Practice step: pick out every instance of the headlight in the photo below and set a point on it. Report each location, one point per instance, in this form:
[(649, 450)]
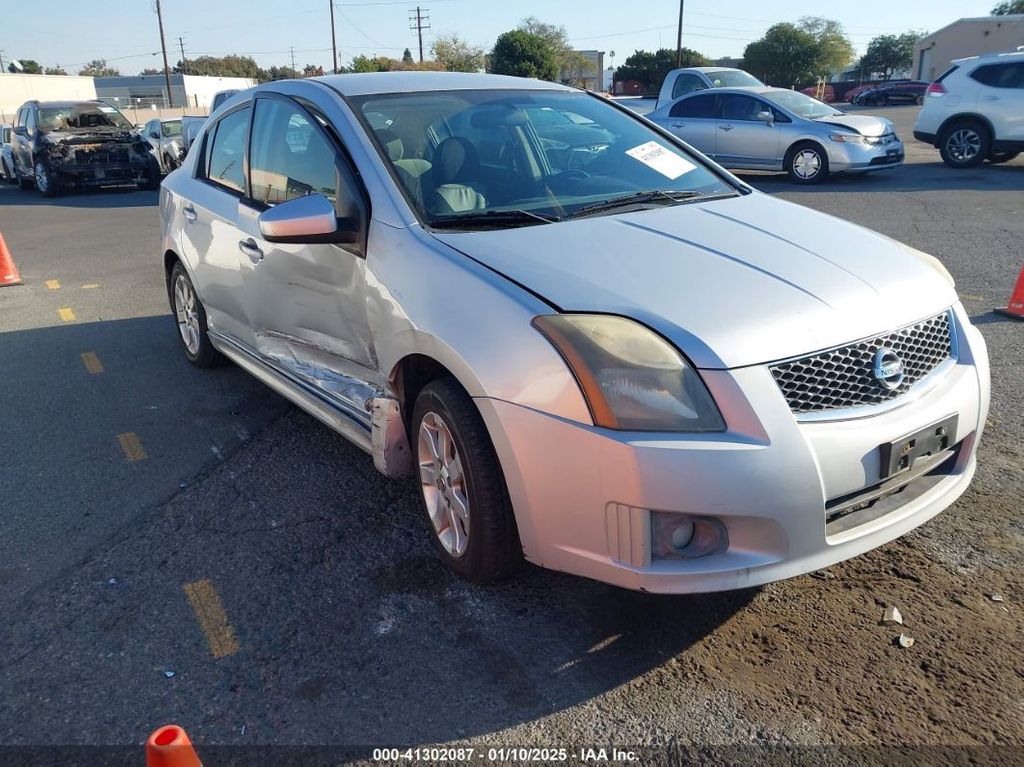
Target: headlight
[(632, 379), (853, 138)]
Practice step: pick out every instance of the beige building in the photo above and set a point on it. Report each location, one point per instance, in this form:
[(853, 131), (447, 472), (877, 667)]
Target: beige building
[(966, 37)]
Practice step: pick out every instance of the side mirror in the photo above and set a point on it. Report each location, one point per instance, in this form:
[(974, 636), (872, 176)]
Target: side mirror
[(307, 220), (766, 117), (20, 130)]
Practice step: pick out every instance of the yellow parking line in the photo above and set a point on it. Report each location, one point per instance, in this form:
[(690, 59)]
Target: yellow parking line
[(92, 363), (53, 284), (209, 610), (66, 314), (131, 447), (90, 285)]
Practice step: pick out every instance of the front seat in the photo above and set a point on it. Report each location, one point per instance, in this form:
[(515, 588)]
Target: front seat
[(395, 147), (456, 168)]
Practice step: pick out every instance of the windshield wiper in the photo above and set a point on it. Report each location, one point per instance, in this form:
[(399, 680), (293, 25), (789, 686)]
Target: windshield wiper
[(663, 196), (492, 218)]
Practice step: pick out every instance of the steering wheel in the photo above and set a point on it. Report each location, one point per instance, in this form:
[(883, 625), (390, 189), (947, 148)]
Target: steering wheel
[(573, 174)]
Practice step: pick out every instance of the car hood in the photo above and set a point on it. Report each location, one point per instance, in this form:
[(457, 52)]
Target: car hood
[(733, 282), (866, 125), (90, 137)]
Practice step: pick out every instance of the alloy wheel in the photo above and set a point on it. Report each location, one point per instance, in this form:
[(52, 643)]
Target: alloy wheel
[(187, 313), (963, 144), (42, 178), (444, 484)]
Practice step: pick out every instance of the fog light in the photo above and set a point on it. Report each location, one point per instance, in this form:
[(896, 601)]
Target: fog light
[(681, 536)]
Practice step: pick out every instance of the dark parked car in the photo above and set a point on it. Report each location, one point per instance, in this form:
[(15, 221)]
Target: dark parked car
[(907, 91), (61, 144)]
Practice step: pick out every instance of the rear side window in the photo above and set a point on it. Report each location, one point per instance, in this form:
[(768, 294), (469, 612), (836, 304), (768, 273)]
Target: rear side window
[(947, 73), (687, 84), (227, 152), (695, 106), (1000, 75), (290, 155)]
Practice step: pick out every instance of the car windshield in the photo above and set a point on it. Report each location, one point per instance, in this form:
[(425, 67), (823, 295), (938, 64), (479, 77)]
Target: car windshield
[(517, 157), (802, 105), (733, 79), (81, 117), (172, 128)]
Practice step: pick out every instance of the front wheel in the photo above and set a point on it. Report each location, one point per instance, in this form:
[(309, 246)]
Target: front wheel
[(807, 163), (190, 316), (963, 144), (462, 485), (46, 180)]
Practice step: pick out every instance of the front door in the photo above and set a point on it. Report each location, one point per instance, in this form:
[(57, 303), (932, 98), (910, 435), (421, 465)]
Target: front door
[(741, 140), (306, 303), (693, 120)]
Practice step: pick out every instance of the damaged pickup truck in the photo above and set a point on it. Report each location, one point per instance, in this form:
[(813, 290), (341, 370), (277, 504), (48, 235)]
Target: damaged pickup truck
[(64, 144)]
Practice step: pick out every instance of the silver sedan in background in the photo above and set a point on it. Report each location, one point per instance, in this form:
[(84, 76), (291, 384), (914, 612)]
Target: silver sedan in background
[(775, 129)]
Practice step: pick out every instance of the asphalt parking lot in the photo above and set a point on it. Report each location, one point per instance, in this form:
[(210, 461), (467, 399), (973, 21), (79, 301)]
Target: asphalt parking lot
[(179, 545)]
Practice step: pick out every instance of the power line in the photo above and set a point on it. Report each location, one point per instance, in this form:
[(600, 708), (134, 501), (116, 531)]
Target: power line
[(419, 22)]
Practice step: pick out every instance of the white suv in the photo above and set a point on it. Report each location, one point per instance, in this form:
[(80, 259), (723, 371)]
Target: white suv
[(975, 110)]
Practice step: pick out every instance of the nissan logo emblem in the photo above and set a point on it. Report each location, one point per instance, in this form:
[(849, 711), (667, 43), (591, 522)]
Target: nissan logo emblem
[(889, 370)]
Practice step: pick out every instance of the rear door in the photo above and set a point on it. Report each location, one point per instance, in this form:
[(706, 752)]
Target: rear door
[(1001, 98), (306, 303), (211, 225), (693, 119), (741, 140)]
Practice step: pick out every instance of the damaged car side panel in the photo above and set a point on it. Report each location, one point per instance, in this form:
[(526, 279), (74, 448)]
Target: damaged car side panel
[(59, 145)]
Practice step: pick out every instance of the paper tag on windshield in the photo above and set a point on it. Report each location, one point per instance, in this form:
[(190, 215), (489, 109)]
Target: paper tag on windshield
[(107, 110), (666, 162)]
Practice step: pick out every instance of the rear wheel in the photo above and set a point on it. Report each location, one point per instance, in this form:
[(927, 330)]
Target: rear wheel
[(462, 485), (807, 163), (190, 316), (999, 157), (170, 163), (964, 144)]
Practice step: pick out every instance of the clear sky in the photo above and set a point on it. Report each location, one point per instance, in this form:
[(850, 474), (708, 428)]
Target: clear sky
[(71, 32)]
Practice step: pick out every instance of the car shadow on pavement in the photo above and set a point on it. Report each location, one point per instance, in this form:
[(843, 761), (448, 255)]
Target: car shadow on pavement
[(914, 177), (115, 197)]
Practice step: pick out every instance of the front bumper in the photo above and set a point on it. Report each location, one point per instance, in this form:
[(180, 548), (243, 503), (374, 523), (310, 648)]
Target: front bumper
[(928, 138), (584, 496), (108, 174), (858, 158)]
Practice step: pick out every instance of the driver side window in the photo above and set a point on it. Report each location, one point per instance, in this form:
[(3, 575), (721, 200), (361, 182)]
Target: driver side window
[(686, 84)]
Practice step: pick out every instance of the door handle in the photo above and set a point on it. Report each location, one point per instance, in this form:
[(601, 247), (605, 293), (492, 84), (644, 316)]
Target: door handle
[(678, 125), (251, 249), (190, 213), (991, 98), (725, 127)]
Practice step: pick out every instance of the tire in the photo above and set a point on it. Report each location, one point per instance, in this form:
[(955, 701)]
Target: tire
[(1000, 157), (152, 182), (919, 100), (10, 175), (882, 101), (798, 163), (195, 338), (964, 144), (490, 540), (23, 183), (170, 163), (47, 182)]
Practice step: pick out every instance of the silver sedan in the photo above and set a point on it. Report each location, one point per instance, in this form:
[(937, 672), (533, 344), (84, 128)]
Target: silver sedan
[(776, 129), (593, 348)]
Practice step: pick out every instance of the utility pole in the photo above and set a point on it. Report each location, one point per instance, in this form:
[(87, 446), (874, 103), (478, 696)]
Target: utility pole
[(184, 61), (334, 43), (420, 20), (292, 47), (679, 36), (2, 61), (163, 47)]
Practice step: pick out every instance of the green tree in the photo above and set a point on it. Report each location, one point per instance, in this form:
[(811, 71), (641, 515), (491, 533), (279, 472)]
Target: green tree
[(151, 71), (407, 57), (785, 56), (524, 54), (312, 70), (28, 67), (98, 68), (222, 66), (835, 51), (371, 64), (456, 55), (54, 71), (572, 65), (650, 69), (1008, 7), (887, 54)]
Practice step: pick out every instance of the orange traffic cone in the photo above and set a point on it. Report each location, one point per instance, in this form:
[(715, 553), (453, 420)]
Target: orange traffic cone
[(169, 746), (1016, 306), (8, 271)]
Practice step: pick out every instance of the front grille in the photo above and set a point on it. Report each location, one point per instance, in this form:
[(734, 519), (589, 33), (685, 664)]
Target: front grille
[(844, 377)]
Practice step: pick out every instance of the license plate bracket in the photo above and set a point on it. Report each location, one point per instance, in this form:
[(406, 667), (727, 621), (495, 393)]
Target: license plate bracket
[(899, 455)]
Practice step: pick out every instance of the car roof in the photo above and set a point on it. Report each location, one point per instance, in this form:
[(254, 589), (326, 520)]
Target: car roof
[(989, 57), (757, 89), (706, 70), (369, 83), (63, 104)]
